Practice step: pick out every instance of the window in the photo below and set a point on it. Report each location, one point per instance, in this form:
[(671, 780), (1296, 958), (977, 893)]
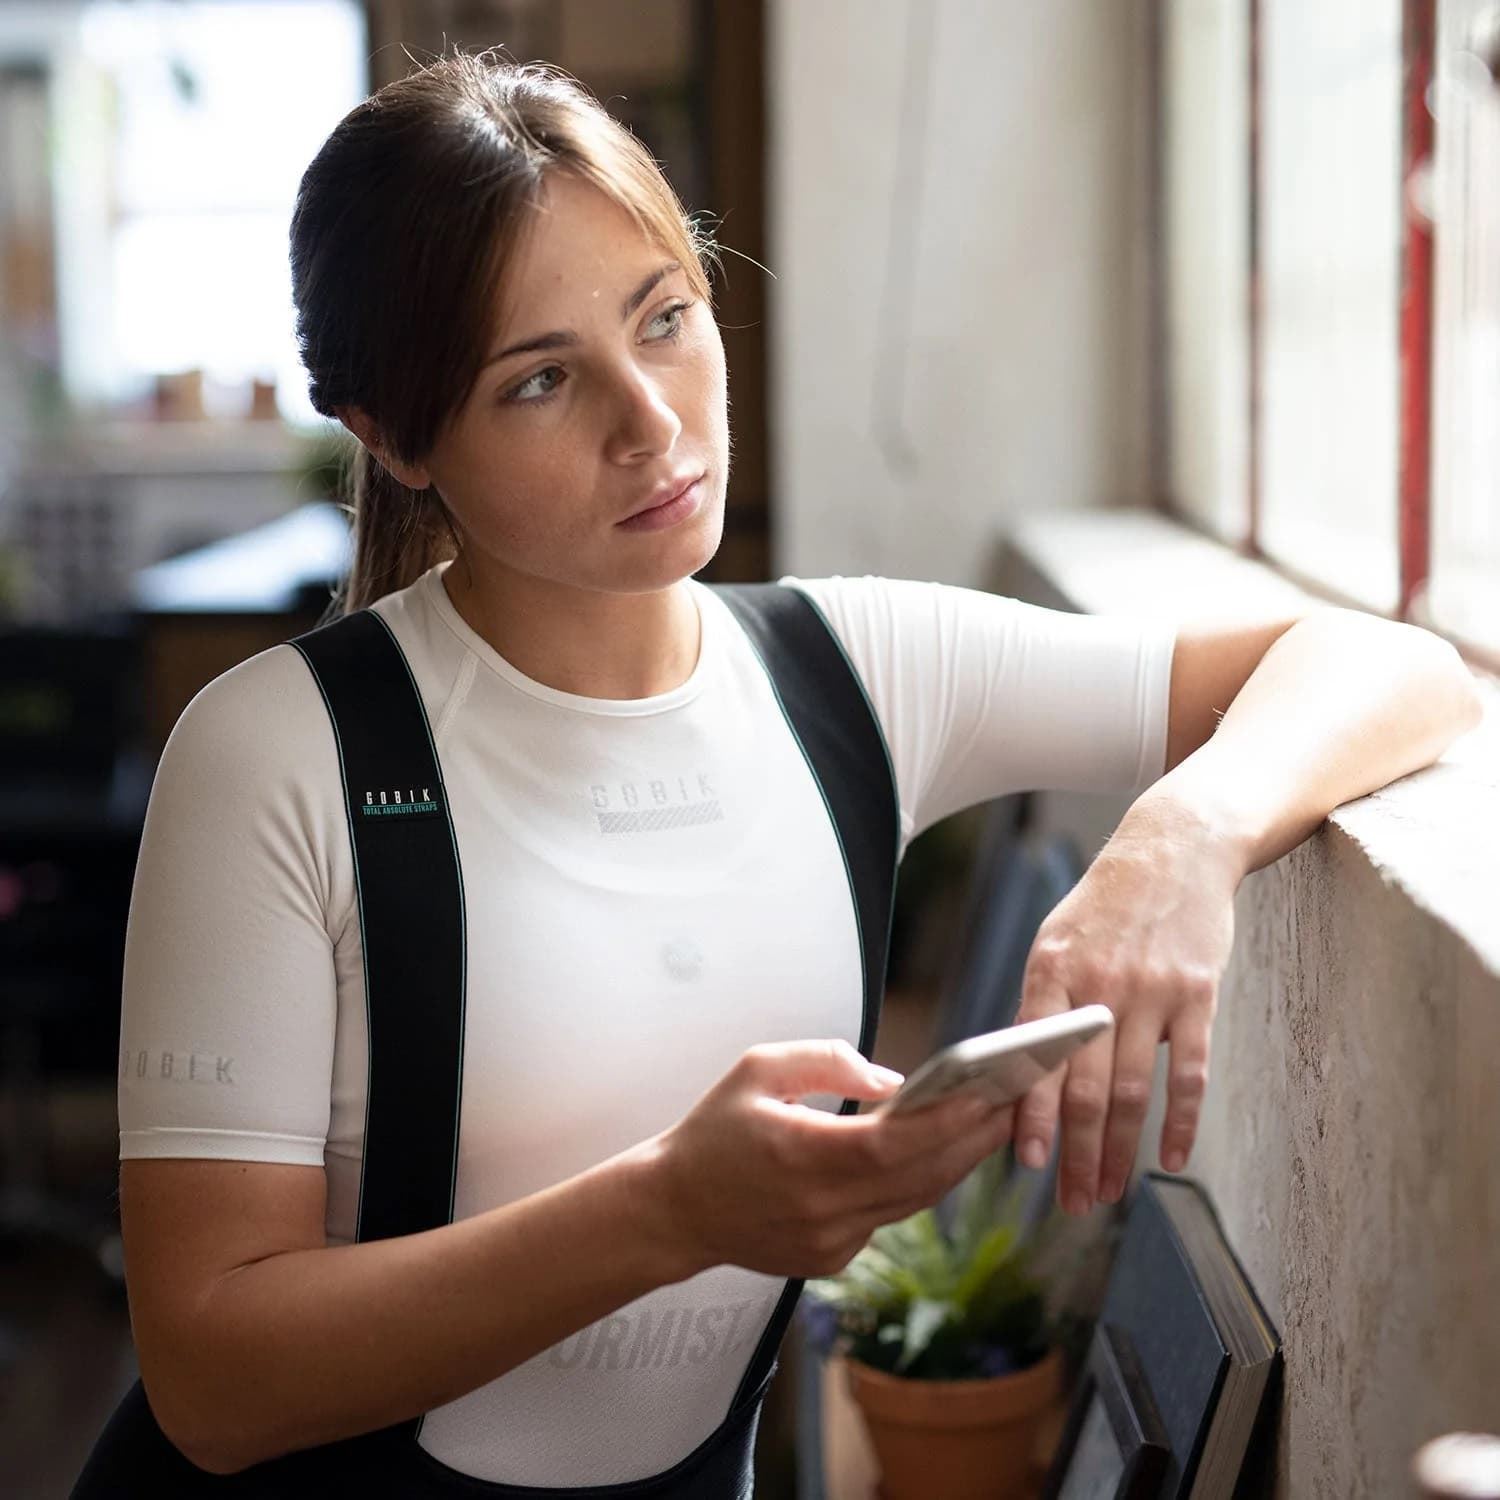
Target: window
[(1464, 588), (205, 116), (1331, 239), (1330, 266), (1206, 169)]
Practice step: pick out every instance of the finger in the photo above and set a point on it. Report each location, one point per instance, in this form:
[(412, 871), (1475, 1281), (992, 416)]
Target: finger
[(1187, 1081), (1036, 1113), (916, 1137), (828, 1065), (1085, 1106), (930, 1180), (850, 1152), (1129, 1097), (966, 1138)]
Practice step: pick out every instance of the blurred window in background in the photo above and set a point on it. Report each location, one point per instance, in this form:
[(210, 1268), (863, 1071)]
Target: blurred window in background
[(1206, 238), (28, 293), (1464, 586), (1330, 258), (1300, 186), (206, 114)]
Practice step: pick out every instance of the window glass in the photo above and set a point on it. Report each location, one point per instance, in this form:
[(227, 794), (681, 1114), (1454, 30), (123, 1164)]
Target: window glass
[(1330, 266), (211, 112), (1206, 148), (1464, 586)]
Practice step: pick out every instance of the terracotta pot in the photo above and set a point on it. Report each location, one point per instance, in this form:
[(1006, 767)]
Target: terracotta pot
[(957, 1439)]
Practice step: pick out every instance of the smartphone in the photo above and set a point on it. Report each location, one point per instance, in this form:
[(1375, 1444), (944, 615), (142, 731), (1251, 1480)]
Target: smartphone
[(1000, 1065)]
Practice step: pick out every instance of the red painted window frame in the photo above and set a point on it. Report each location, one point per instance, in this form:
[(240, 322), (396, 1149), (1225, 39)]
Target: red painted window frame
[(1414, 495)]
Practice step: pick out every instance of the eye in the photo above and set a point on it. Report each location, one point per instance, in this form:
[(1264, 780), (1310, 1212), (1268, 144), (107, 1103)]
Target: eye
[(675, 312), (518, 394)]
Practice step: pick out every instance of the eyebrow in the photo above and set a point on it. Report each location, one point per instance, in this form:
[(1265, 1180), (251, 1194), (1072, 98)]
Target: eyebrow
[(565, 338)]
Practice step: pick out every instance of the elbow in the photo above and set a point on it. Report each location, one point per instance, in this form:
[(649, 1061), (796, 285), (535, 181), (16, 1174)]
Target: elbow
[(1464, 697), (1474, 700), (185, 1422), (188, 1440), (1452, 699), (212, 1463), (213, 1457)]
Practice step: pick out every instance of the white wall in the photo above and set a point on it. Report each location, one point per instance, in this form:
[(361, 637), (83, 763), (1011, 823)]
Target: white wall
[(958, 329)]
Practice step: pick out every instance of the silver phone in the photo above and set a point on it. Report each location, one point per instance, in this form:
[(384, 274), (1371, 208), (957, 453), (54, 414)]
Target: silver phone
[(1001, 1065)]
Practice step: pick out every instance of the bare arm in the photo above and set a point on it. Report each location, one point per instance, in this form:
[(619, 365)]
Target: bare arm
[(255, 1338)]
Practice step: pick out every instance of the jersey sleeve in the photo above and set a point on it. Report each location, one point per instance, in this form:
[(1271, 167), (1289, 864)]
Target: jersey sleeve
[(229, 1002), (980, 695)]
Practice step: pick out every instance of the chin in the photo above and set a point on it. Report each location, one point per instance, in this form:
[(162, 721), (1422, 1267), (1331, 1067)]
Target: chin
[(682, 553), (706, 542)]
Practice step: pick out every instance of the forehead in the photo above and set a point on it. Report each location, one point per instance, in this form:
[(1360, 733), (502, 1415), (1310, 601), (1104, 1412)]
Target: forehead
[(579, 248)]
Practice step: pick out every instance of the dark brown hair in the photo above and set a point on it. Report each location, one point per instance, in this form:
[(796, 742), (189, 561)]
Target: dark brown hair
[(405, 224)]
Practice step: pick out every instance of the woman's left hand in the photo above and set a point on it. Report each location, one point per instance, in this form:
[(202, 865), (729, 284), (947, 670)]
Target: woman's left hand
[(1147, 931)]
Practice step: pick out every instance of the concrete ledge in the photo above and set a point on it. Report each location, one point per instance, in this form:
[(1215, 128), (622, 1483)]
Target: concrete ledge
[(1349, 1131)]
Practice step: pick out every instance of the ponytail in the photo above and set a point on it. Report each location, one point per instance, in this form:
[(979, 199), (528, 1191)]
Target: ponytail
[(399, 533)]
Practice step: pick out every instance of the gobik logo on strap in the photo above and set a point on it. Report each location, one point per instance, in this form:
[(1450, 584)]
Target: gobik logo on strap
[(399, 802)]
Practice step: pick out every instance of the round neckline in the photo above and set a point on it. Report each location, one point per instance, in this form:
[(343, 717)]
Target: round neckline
[(431, 584)]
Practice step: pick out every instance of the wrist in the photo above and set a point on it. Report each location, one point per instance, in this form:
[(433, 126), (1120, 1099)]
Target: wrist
[(653, 1201), (1184, 811)]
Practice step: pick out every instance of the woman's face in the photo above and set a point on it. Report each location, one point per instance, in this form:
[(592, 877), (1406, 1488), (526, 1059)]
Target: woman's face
[(619, 398)]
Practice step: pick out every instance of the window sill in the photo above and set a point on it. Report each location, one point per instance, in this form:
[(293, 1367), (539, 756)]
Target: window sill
[(1433, 835)]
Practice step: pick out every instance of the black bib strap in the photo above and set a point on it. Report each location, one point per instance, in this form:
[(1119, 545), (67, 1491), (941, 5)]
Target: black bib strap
[(830, 714), (411, 918)]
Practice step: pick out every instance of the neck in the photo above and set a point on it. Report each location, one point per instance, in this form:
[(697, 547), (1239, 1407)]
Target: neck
[(581, 641)]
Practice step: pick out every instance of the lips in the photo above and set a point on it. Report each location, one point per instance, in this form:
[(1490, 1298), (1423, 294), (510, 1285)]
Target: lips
[(666, 493), (671, 512)]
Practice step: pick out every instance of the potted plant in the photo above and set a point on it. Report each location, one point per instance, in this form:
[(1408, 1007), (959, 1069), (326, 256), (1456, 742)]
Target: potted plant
[(953, 1354)]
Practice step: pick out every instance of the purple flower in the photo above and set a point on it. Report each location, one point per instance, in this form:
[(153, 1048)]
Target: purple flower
[(820, 1323), (994, 1359)]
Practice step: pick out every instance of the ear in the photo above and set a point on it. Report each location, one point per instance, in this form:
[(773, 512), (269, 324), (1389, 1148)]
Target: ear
[(413, 476)]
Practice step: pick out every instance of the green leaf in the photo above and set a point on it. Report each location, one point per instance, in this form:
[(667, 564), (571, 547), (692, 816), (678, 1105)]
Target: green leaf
[(923, 1319), (975, 1205), (919, 1247), (870, 1290), (993, 1251)]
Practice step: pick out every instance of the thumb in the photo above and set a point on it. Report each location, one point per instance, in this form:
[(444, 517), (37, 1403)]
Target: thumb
[(789, 1070)]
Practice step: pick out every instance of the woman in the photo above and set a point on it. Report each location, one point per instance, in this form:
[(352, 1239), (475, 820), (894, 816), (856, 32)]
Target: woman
[(499, 295)]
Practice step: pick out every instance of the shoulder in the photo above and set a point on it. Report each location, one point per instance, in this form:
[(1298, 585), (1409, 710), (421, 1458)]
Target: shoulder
[(868, 605), (874, 615), (262, 715)]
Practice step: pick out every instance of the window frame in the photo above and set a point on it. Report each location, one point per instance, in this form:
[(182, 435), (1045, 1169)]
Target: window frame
[(1415, 321)]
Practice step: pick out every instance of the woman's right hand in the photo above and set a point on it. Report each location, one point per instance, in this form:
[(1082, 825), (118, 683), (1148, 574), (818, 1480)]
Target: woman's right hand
[(754, 1178)]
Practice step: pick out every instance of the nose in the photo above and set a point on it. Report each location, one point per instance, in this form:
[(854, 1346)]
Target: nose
[(645, 423)]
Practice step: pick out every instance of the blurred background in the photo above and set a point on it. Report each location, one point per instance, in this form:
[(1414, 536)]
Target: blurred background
[(1229, 263)]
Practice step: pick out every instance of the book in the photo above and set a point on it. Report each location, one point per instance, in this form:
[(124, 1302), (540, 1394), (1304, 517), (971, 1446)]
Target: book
[(1203, 1355), (1206, 1347)]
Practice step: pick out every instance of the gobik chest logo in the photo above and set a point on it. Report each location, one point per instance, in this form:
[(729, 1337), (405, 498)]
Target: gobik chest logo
[(392, 802)]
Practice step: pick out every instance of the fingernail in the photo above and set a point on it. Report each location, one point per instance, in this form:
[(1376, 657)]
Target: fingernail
[(1078, 1201), (1033, 1153), (1173, 1160), (885, 1076)]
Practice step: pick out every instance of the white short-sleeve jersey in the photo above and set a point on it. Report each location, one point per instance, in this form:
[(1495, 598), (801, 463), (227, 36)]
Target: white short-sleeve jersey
[(652, 886)]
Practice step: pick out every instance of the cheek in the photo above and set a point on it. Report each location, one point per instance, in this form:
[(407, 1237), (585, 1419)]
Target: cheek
[(513, 481), (711, 386)]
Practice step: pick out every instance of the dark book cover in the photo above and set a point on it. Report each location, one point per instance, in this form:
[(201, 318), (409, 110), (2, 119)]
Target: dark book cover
[(1154, 1296)]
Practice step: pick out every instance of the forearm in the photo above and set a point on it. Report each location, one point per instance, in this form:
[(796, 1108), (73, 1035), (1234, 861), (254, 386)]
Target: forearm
[(316, 1345), (1340, 705)]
